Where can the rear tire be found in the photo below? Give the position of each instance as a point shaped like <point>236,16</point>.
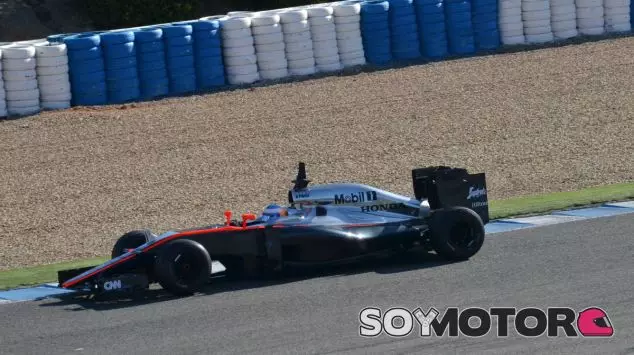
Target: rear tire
<point>183,267</point>
<point>131,240</point>
<point>457,233</point>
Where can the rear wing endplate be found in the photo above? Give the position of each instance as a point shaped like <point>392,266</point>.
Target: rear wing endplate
<point>445,186</point>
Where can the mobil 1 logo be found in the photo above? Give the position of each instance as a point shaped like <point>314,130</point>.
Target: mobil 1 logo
<point>355,197</point>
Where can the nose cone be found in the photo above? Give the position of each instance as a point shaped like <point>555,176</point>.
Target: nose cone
<point>594,322</point>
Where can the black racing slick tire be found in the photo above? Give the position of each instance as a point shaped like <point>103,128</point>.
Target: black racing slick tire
<point>457,233</point>
<point>183,267</point>
<point>131,240</point>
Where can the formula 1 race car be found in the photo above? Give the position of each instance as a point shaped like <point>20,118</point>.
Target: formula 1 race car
<point>321,225</point>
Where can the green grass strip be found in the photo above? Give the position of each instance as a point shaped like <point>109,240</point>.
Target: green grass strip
<point>516,206</point>
<point>36,275</point>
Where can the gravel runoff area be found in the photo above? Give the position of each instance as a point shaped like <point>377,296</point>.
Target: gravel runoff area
<point>538,121</point>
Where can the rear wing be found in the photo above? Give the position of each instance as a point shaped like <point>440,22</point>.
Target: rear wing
<point>445,186</point>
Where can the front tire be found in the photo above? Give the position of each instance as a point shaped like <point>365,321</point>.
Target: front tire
<point>131,240</point>
<point>457,233</point>
<point>183,267</point>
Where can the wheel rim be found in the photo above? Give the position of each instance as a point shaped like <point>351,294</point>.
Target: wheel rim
<point>186,268</point>
<point>462,236</point>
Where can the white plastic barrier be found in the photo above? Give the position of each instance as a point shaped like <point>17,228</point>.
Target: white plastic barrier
<point>563,18</point>
<point>617,15</point>
<point>52,75</point>
<point>239,49</point>
<point>269,45</point>
<point>536,18</point>
<point>20,79</point>
<point>3,95</point>
<point>239,13</point>
<point>590,19</point>
<point>30,42</point>
<point>324,35</point>
<point>295,41</point>
<point>347,16</point>
<point>298,42</point>
<point>510,22</point>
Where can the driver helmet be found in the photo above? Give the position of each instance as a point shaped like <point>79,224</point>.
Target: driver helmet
<point>274,211</point>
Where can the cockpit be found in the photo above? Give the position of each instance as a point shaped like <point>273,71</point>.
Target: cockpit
<point>273,212</point>
<point>270,215</point>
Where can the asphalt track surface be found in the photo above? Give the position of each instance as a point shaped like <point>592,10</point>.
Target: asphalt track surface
<point>579,264</point>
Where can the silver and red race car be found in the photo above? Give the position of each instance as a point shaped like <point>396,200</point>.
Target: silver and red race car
<point>321,225</point>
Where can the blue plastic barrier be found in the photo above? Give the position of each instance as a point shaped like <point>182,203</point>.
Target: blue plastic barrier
<point>179,51</point>
<point>210,68</point>
<point>431,27</point>
<point>181,57</point>
<point>152,68</point>
<point>87,70</point>
<point>375,30</point>
<point>459,27</point>
<point>485,24</point>
<point>632,13</point>
<point>122,78</point>
<point>404,30</point>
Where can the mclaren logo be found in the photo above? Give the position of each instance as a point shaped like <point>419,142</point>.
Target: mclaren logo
<point>355,197</point>
<point>475,193</point>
